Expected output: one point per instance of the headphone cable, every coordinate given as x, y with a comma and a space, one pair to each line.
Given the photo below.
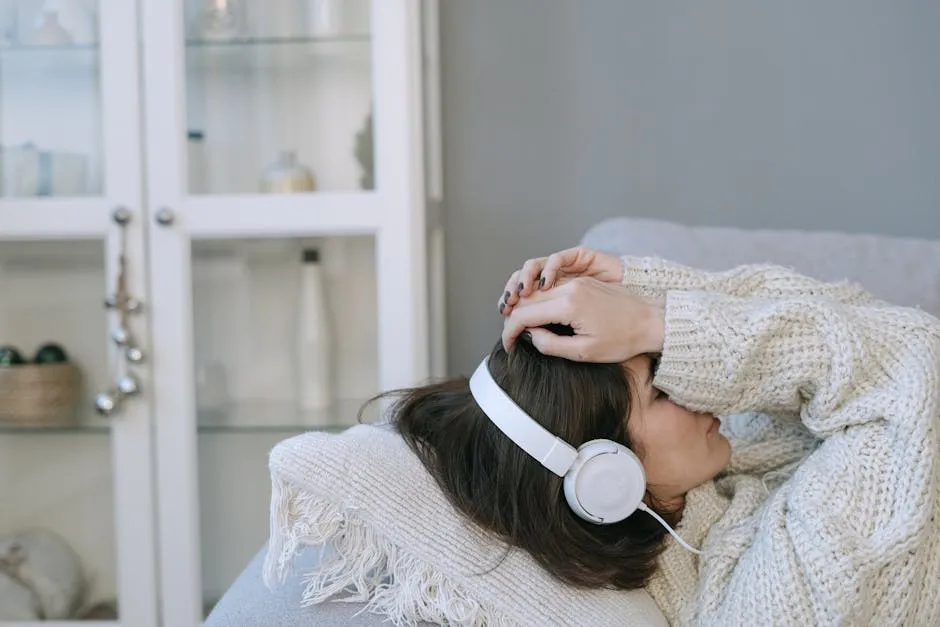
668, 528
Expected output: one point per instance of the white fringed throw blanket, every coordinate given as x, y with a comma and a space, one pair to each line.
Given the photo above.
401, 547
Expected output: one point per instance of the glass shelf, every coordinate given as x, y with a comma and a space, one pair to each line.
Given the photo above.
253, 417
10, 429
30, 49
247, 53
275, 41
72, 58
51, 255
294, 54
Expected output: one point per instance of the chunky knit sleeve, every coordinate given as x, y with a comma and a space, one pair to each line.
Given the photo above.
852, 536
652, 276
760, 443
839, 365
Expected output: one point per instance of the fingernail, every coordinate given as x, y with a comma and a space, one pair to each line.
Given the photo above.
519, 289
506, 296
541, 282
501, 307
526, 335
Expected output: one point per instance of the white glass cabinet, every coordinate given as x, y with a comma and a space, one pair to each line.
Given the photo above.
219, 227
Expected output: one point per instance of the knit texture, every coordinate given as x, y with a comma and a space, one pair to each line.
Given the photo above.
401, 547
829, 513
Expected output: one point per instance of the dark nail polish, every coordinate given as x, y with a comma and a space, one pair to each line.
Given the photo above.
501, 307
519, 289
506, 296
541, 282
526, 336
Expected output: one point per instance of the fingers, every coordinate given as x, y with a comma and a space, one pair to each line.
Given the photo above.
556, 263
531, 276
573, 347
542, 273
545, 308
527, 280
509, 296
522, 283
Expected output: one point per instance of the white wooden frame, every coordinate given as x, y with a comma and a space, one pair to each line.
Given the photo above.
394, 213
91, 218
437, 279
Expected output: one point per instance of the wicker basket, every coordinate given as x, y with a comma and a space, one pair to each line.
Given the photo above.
39, 395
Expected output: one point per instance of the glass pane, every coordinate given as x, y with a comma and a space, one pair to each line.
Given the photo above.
285, 337
279, 96
50, 106
56, 478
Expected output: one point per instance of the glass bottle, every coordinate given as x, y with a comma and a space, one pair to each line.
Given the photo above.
287, 176
315, 356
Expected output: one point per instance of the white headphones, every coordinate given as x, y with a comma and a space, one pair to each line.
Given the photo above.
604, 480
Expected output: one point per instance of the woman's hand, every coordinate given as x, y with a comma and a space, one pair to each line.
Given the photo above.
543, 273
610, 323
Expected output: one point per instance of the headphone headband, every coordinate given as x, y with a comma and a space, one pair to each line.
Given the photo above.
550, 450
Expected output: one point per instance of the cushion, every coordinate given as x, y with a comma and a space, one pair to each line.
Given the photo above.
900, 270
402, 548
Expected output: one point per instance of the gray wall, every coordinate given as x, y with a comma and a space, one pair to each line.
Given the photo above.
819, 114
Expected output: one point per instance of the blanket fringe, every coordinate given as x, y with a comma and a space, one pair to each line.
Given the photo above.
365, 566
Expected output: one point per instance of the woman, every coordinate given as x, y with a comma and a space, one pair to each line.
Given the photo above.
827, 510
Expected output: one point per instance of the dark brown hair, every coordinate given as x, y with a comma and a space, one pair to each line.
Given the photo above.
502, 489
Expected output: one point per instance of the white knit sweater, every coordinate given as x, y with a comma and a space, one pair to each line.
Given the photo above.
829, 513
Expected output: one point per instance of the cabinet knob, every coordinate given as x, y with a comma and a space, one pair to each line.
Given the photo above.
164, 216
121, 215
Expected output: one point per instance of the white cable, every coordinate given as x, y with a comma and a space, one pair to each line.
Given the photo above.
668, 528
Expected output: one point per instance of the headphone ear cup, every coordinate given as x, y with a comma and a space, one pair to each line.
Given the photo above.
606, 483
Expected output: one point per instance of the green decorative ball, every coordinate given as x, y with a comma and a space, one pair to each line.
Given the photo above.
10, 356
50, 353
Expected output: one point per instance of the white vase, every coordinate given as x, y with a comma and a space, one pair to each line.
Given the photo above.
287, 176
77, 19
338, 18
219, 20
50, 32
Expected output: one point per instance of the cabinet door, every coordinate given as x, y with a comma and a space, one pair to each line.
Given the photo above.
287, 288
77, 526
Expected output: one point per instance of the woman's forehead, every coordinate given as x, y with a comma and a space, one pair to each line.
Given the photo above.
638, 369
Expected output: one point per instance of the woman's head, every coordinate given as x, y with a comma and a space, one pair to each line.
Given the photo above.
497, 485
